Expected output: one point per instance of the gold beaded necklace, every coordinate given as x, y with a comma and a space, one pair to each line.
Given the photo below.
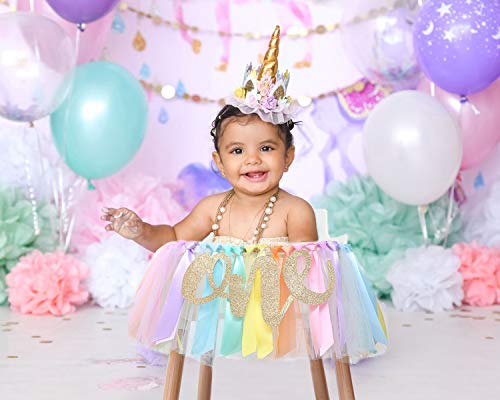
263, 221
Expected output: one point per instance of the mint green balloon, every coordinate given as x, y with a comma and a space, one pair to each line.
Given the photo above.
101, 125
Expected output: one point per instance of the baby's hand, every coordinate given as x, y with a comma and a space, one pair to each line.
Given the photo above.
123, 221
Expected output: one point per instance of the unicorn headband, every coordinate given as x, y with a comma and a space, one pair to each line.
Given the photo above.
263, 91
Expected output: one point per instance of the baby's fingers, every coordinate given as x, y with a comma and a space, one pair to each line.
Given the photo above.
109, 227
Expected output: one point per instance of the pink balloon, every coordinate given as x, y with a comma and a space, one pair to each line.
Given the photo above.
478, 118
91, 40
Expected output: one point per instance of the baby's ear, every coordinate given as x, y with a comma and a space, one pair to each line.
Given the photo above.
289, 157
218, 162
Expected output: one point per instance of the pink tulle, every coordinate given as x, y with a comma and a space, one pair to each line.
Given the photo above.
151, 199
480, 268
47, 284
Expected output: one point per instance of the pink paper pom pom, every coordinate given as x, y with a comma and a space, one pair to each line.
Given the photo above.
48, 283
480, 268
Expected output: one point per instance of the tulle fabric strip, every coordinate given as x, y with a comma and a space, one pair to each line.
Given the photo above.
348, 324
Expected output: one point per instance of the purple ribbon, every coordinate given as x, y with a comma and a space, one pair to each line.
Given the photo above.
169, 318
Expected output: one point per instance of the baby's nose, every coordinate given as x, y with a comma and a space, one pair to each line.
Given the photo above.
252, 158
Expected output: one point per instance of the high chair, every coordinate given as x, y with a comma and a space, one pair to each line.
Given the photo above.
176, 363
342, 369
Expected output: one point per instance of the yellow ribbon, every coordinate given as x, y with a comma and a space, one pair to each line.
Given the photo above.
257, 335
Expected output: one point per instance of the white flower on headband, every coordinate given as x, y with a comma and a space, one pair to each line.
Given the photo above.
264, 90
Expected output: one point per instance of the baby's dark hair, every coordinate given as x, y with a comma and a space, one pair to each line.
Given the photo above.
229, 111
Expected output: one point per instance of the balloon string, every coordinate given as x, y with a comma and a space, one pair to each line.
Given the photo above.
433, 89
465, 100
31, 190
422, 210
74, 191
449, 215
77, 41
62, 212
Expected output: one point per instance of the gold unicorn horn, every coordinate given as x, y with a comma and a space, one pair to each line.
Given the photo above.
270, 63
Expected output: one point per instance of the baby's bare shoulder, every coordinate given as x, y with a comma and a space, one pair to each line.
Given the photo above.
295, 203
211, 202
300, 220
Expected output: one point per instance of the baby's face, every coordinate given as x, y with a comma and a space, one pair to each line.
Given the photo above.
252, 156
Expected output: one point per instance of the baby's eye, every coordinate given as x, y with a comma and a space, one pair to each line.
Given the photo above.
237, 151
266, 148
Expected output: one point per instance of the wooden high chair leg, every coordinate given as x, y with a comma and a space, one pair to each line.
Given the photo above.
205, 382
319, 379
344, 381
174, 376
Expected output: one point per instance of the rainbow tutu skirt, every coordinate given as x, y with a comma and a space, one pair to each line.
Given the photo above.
269, 301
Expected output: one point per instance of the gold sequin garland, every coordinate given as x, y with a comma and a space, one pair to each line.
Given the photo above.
239, 290
292, 32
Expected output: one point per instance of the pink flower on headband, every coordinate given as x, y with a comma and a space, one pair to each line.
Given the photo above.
269, 103
264, 85
252, 101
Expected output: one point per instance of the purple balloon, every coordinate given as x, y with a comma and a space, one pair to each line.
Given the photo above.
82, 11
457, 43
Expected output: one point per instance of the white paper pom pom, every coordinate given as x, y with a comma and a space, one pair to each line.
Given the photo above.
426, 279
116, 269
482, 218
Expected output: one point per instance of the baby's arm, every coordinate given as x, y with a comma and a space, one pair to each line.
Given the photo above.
196, 226
301, 222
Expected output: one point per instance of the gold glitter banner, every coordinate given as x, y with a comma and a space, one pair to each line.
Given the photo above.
237, 291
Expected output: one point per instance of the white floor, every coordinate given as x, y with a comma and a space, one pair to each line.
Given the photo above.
88, 355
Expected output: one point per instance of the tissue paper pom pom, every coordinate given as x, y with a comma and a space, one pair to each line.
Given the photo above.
18, 151
150, 198
17, 236
47, 284
380, 229
480, 268
426, 279
481, 217
116, 269
3, 287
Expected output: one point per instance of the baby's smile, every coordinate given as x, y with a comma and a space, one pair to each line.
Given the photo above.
256, 176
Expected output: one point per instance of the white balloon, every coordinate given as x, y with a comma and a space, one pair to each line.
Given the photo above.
412, 147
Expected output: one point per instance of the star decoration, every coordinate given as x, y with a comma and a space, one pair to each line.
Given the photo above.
444, 9
448, 35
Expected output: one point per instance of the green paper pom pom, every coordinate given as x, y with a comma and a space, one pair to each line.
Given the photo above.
17, 235
380, 228
3, 287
